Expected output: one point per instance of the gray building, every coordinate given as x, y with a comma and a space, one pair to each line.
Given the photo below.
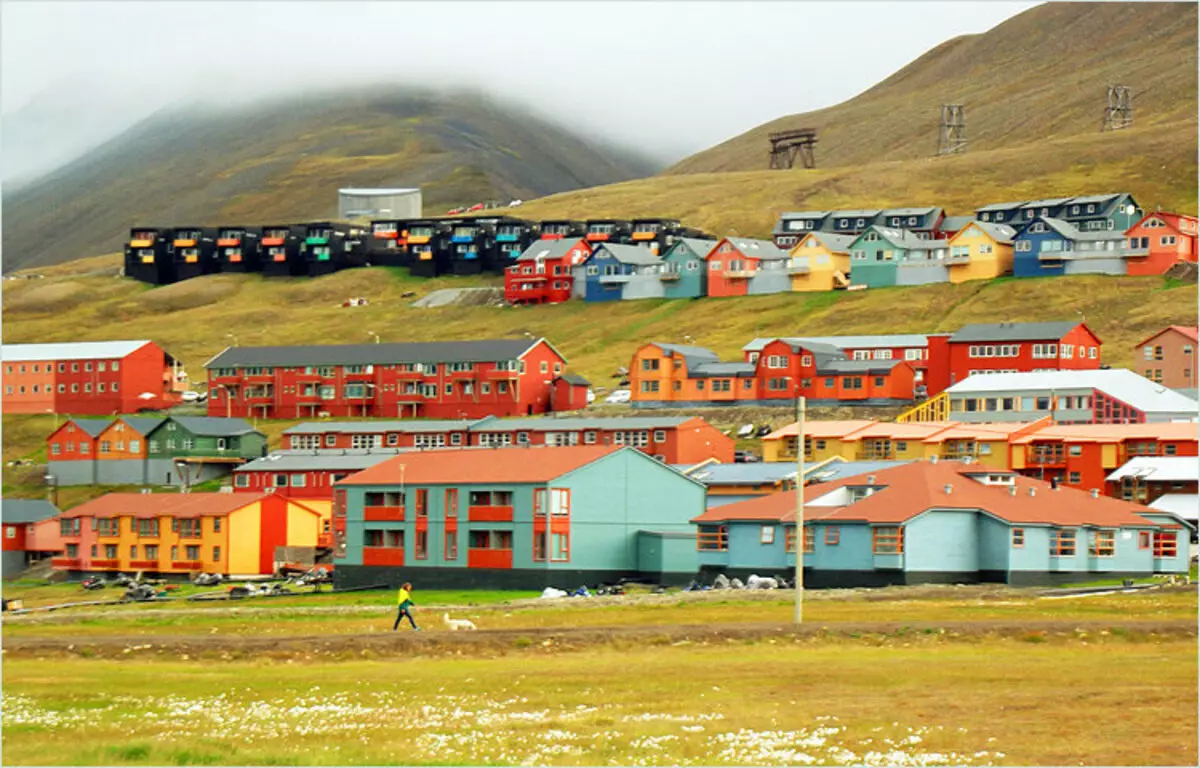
379, 204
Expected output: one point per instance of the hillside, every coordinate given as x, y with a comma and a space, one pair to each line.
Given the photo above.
285, 160
1040, 75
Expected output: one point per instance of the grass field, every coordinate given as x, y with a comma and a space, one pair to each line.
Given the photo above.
951, 684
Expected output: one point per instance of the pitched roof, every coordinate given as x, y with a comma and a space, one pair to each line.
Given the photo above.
1051, 202
836, 470
302, 461
1111, 197
831, 240
822, 429
1182, 505
692, 356
697, 246
1192, 332
79, 350
855, 214
715, 370
739, 474
846, 342
412, 426
91, 426
1052, 331
1110, 433
758, 249
905, 491
484, 351
573, 423
841, 367
1120, 383
143, 425
1069, 231
144, 505
627, 254
550, 249
1001, 233
539, 464
214, 426
910, 211
574, 379
1159, 469
16, 511
1001, 206
956, 223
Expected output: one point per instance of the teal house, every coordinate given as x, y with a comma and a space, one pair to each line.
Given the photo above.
883, 256
184, 450
683, 269
942, 522
516, 518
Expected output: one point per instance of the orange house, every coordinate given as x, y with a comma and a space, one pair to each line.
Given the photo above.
676, 373
183, 534
743, 267
1159, 241
1169, 356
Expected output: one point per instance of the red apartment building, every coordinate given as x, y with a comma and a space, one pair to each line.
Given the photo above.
542, 274
445, 379
99, 378
1009, 348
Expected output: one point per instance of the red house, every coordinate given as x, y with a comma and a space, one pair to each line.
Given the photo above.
569, 392
789, 368
1009, 348
735, 263
21, 547
444, 379
101, 377
304, 474
542, 274
1159, 241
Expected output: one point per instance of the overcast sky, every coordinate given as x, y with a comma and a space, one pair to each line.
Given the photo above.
668, 77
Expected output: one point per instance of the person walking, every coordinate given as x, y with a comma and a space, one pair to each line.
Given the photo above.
404, 602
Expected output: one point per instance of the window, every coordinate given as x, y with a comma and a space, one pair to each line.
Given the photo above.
450, 545
1018, 538
372, 538
1164, 544
422, 503
216, 554
1062, 543
833, 535
1143, 539
421, 549
192, 550
242, 480
152, 551
766, 534
887, 540
110, 551
1103, 544
1073, 478
650, 365
491, 540
132, 551
660, 435
216, 525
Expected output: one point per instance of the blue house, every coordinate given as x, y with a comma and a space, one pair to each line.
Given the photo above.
1002, 213
851, 222
794, 225
1052, 207
1050, 246
683, 269
942, 522
1115, 212
922, 222
619, 273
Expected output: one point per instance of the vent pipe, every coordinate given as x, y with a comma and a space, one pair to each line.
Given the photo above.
1012, 490
933, 459
870, 479
949, 488
1032, 491
1095, 493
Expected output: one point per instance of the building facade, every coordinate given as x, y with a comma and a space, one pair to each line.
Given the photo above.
1169, 357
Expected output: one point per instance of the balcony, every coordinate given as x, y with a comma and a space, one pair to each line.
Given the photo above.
876, 454
259, 396
643, 236
105, 565
468, 375
669, 276
65, 562
490, 514
383, 556
363, 375
185, 243
143, 565
187, 565
316, 241
272, 241
309, 376
383, 514
258, 378
740, 274
614, 279
489, 558
229, 242
390, 235
960, 259
798, 267
141, 243
499, 374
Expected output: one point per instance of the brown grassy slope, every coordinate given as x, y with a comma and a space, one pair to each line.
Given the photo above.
1156, 163
1040, 75
192, 319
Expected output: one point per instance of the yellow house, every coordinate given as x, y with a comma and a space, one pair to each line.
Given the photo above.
980, 251
820, 262
822, 440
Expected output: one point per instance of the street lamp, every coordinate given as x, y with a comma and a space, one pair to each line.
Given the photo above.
800, 408
52, 481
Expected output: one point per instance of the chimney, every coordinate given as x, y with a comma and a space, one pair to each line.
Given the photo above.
1032, 491
1012, 490
949, 488
1095, 493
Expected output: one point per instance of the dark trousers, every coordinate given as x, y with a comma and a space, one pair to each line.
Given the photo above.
403, 614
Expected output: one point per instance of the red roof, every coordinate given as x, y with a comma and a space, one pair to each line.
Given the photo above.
1190, 331
147, 505
472, 465
908, 490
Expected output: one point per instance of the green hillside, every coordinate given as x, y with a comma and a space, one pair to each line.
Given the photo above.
285, 160
1039, 76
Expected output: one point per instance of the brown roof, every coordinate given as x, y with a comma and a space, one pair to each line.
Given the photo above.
495, 465
910, 489
147, 505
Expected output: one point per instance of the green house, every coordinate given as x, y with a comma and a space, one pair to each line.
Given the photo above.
200, 448
882, 257
683, 269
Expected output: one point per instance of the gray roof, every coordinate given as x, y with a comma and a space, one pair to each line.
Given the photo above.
956, 223
1191, 392
839, 367
80, 350
213, 426
143, 425
628, 254
572, 424
833, 241
26, 510
1183, 505
1120, 383
484, 351
740, 474
793, 215
692, 356
1001, 233
1052, 331
413, 426
847, 342
1051, 202
1069, 231
910, 211
759, 249
836, 470
575, 379
548, 249
903, 238
854, 214
697, 246
716, 370
300, 461
1109, 198
1001, 206
92, 426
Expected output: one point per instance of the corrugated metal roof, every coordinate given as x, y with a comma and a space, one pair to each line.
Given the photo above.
80, 350
910, 211
1069, 231
832, 241
839, 367
854, 214
367, 191
697, 246
91, 426
1158, 469
575, 379
146, 505
214, 426
741, 474
1097, 198
956, 223
759, 249
1001, 233
838, 469
903, 238
414, 426
26, 510
1052, 202
303, 461
484, 351
1124, 385
1051, 331
1183, 505
1001, 206
143, 425
713, 370
549, 249
627, 254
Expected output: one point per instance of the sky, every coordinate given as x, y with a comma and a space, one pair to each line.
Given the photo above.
668, 78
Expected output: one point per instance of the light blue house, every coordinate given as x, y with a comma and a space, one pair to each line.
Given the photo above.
883, 256
617, 272
1050, 246
683, 269
942, 522
516, 518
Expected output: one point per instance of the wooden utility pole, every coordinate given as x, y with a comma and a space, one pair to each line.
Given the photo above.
800, 510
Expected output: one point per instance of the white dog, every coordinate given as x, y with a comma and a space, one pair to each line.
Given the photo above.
457, 624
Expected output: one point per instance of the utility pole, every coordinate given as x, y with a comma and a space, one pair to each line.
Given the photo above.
800, 510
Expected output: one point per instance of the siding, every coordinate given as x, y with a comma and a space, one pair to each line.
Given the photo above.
943, 541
